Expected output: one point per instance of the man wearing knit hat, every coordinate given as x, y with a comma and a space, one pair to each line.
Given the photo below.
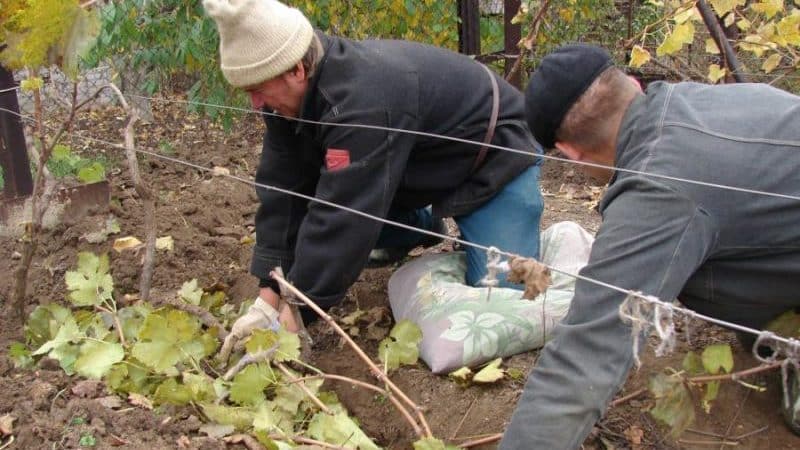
724, 253
345, 87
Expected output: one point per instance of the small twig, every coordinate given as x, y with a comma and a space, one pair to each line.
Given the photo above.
375, 370
304, 388
735, 375
751, 433
624, 399
463, 418
58, 394
723, 442
203, 314
120, 441
481, 441
248, 441
117, 323
403, 411
535, 25
705, 433
10, 441
305, 440
735, 417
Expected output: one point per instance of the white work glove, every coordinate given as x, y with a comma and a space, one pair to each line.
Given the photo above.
260, 316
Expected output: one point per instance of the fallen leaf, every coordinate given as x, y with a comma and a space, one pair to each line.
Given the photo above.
7, 425
376, 333
217, 431
110, 402
535, 276
126, 243
139, 400
184, 442
461, 376
165, 243
491, 373
634, 435
218, 171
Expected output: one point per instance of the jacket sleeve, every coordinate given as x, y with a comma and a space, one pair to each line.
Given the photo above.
652, 240
332, 244
279, 215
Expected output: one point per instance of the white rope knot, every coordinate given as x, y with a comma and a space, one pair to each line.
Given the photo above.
641, 315
634, 312
494, 265
665, 328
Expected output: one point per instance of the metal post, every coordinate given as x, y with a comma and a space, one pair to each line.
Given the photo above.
13, 152
469, 30
513, 34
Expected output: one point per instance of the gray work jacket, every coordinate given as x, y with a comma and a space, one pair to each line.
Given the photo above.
727, 254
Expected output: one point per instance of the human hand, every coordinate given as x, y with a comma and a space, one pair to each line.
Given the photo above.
261, 315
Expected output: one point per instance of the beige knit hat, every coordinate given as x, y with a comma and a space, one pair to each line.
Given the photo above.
258, 39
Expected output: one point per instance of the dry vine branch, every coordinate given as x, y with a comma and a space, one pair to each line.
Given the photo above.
305, 389
148, 200
736, 375
376, 371
537, 21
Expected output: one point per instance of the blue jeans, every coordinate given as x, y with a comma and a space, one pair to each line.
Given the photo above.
509, 221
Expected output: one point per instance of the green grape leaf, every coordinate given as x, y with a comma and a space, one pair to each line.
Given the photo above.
289, 396
241, 418
693, 364
674, 405
190, 292
91, 284
716, 357
93, 173
339, 429
247, 388
201, 387
712, 389
433, 444
172, 392
787, 325
130, 377
132, 319
461, 376
44, 322
20, 355
94, 325
402, 345
263, 438
97, 357
266, 419
168, 337
491, 373
212, 300
288, 346
260, 340
67, 333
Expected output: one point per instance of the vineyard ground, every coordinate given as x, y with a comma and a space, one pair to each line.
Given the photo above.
207, 218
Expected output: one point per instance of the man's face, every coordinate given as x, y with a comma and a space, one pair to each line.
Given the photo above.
283, 94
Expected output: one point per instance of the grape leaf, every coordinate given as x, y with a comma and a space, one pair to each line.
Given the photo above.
190, 292
402, 345
339, 429
680, 35
132, 319
247, 388
715, 72
20, 355
639, 56
491, 373
260, 340
768, 7
461, 376
241, 418
97, 357
172, 392
722, 7
129, 377
168, 337
44, 322
673, 403
712, 389
265, 417
93, 173
91, 284
288, 346
433, 444
716, 357
67, 333
200, 386
693, 364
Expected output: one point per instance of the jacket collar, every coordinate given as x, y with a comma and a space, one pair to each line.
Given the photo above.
312, 99
626, 129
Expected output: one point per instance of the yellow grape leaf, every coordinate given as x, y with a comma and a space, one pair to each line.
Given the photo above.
771, 63
681, 34
711, 47
31, 84
126, 243
715, 72
639, 56
687, 14
491, 373
729, 20
744, 24
722, 7
789, 28
755, 44
768, 7
566, 14
165, 243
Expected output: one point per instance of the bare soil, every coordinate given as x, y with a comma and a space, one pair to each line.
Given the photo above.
208, 217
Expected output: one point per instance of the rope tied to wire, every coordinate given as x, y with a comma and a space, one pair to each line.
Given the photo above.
644, 316
791, 352
494, 266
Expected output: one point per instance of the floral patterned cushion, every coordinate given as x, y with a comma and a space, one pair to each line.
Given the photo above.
466, 326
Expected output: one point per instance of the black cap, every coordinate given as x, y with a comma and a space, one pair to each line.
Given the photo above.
557, 84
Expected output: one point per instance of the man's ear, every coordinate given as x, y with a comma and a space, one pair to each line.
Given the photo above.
298, 72
569, 150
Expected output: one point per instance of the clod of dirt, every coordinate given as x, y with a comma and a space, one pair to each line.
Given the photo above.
7, 425
40, 394
87, 388
535, 276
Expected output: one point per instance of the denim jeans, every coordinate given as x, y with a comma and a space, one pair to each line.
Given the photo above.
509, 221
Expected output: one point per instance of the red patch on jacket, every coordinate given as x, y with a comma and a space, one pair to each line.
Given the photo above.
336, 159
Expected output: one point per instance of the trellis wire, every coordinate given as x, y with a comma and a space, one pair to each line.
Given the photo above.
790, 348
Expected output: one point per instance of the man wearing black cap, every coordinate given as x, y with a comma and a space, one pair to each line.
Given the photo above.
725, 253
